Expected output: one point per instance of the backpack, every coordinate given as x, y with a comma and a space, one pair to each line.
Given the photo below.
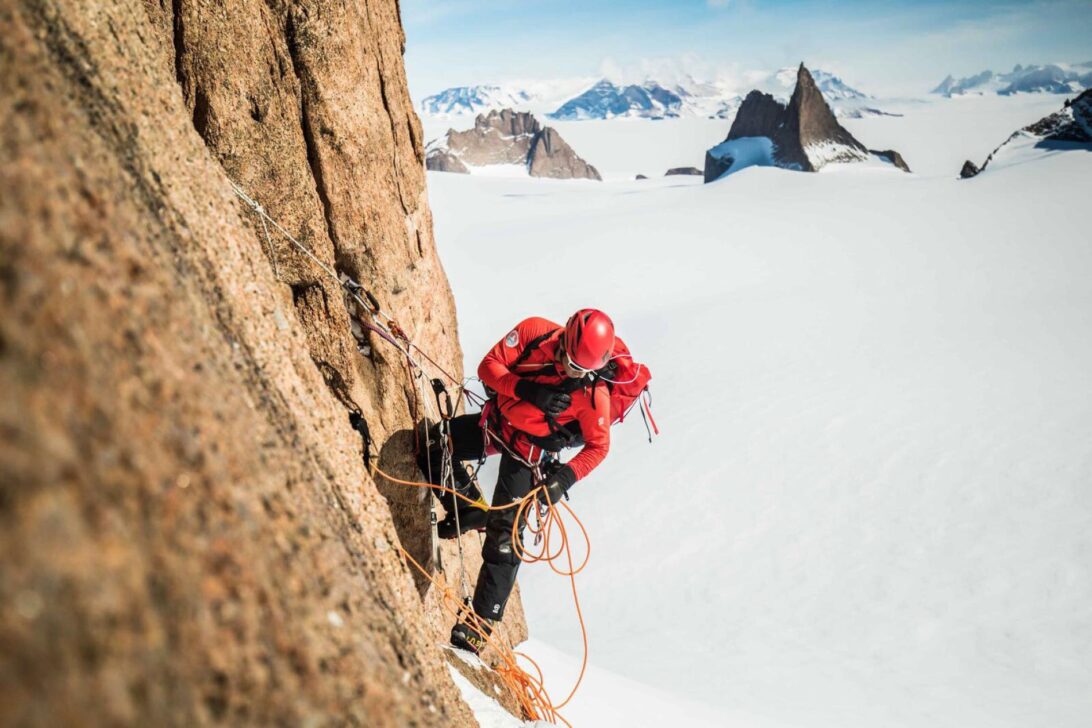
626, 380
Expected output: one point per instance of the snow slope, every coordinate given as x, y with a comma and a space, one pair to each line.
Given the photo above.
870, 504
935, 137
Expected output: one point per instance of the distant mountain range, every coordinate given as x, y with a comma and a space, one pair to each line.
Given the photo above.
473, 99
606, 100
1052, 78
651, 99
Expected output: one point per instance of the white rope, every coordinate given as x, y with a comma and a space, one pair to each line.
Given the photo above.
351, 286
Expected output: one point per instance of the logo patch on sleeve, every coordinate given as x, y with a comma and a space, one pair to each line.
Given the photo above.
512, 340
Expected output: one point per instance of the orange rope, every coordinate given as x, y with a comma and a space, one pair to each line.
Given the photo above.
529, 690
476, 503
546, 528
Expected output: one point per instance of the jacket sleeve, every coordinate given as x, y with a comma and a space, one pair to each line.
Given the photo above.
595, 424
495, 369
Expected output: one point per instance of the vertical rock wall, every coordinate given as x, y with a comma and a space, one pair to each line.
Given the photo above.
188, 532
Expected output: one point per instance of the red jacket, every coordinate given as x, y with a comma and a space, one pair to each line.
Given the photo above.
590, 405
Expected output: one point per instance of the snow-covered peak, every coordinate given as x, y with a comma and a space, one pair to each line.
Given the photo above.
474, 100
1057, 78
607, 100
535, 96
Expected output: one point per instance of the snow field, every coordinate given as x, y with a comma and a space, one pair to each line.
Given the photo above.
870, 504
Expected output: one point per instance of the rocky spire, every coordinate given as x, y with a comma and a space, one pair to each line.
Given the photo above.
804, 135
810, 120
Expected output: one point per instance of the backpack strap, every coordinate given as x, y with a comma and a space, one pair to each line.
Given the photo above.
532, 345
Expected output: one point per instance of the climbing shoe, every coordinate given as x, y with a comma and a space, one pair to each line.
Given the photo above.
470, 519
469, 638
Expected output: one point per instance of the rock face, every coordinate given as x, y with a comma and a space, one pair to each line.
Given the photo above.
189, 532
508, 137
804, 135
1069, 128
499, 137
1072, 124
552, 157
683, 171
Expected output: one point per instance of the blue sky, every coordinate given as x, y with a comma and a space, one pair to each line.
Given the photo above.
883, 47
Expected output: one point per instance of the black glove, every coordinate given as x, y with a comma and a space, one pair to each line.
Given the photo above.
556, 486
551, 400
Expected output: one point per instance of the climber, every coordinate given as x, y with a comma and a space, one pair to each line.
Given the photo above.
550, 387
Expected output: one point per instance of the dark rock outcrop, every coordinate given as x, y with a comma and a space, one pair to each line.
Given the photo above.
970, 169
683, 171
1072, 124
804, 135
443, 160
508, 137
1068, 128
190, 535
890, 155
760, 114
640, 177
717, 163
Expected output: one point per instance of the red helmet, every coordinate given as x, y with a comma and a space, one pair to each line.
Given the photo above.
589, 339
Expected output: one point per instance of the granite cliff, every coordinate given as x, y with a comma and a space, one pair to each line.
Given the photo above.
189, 532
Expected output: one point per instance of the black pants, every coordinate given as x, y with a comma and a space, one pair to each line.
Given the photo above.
514, 481
500, 560
467, 444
